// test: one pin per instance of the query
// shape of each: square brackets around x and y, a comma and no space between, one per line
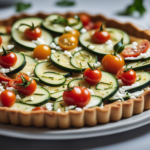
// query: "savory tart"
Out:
[72,70]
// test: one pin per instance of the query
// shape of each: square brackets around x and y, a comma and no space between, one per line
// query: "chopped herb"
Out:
[114,39]
[90,58]
[58,59]
[82,55]
[38,94]
[80,64]
[65,3]
[49,65]
[61,79]
[138,79]
[111,31]
[48,77]
[22,6]
[78,84]
[90,86]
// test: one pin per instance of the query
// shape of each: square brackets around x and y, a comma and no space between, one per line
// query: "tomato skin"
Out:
[89,26]
[32,34]
[42,52]
[141,48]
[120,72]
[28,90]
[8,29]
[78,96]
[128,77]
[92,76]
[8,60]
[67,41]
[85,19]
[75,32]
[39,108]
[7,98]
[18,77]
[3,77]
[100,37]
[1,40]
[112,63]
[97,25]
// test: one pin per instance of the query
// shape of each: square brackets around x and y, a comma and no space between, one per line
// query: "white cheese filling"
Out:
[68,29]
[68,54]
[83,30]
[39,41]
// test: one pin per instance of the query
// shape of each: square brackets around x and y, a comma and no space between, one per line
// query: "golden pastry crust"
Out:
[90,116]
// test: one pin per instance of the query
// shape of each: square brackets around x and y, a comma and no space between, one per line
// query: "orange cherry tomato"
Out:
[128,77]
[112,63]
[32,34]
[75,32]
[120,72]
[1,40]
[85,19]
[78,96]
[7,98]
[141,48]
[97,25]
[92,76]
[67,41]
[26,90]
[39,108]
[8,60]
[42,52]
[8,29]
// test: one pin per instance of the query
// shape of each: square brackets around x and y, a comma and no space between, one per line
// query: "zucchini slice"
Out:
[62,61]
[58,28]
[103,49]
[56,40]
[105,89]
[112,99]
[40,96]
[140,65]
[18,35]
[19,65]
[81,58]
[57,94]
[60,104]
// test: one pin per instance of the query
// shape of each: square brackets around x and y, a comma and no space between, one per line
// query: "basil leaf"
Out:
[119,47]
[60,20]
[65,3]
[22,6]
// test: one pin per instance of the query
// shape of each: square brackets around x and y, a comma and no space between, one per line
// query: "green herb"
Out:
[65,3]
[90,58]
[58,59]
[138,79]
[60,20]
[136,6]
[82,55]
[49,65]
[119,47]
[80,64]
[36,79]
[48,77]
[22,6]
[38,94]
[114,39]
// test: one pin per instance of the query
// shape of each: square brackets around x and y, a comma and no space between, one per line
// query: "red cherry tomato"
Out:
[18,77]
[89,26]
[100,37]
[128,77]
[92,76]
[97,25]
[39,108]
[119,73]
[7,98]
[85,19]
[0,40]
[78,96]
[8,60]
[4,77]
[32,34]
[26,90]
[131,52]
[8,29]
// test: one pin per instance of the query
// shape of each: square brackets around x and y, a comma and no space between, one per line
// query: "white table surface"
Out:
[138,139]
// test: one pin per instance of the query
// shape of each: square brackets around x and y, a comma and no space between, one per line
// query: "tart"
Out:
[106,103]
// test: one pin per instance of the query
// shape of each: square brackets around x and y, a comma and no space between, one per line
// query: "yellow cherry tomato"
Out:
[112,63]
[42,52]
[74,32]
[67,41]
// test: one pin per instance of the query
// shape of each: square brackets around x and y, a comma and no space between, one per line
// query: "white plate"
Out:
[75,133]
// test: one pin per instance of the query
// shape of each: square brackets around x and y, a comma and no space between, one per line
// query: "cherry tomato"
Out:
[89,26]
[39,108]
[100,37]
[85,19]
[141,48]
[67,41]
[26,90]
[42,52]
[78,96]
[8,60]
[3,77]
[97,25]
[0,40]
[128,77]
[8,29]
[75,32]
[112,63]
[7,98]
[119,73]
[18,77]
[12,83]
[92,76]
[32,34]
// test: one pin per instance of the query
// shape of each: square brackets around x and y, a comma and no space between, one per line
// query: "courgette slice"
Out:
[103,49]
[56,40]
[61,61]
[55,95]
[57,28]
[19,65]
[81,59]
[40,96]
[100,89]
[18,35]
[60,104]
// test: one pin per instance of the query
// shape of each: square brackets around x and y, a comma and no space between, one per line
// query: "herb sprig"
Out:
[20,6]
[65,3]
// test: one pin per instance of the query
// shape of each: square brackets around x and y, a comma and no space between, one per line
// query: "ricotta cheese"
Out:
[97,64]
[18,97]
[9,47]
[49,106]
[68,28]
[91,47]
[53,51]
[68,54]
[91,92]
[78,109]
[58,110]
[39,41]
[78,49]
[83,30]
[53,45]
